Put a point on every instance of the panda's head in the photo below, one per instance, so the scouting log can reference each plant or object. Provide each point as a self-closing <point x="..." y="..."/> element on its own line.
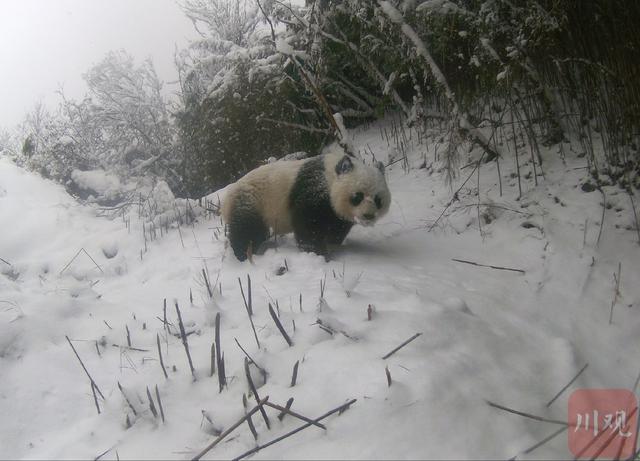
<point x="359" y="192"/>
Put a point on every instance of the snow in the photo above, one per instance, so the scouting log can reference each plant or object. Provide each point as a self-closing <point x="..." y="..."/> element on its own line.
<point x="494" y="335"/>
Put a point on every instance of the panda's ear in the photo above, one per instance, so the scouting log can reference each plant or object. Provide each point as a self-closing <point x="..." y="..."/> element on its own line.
<point x="345" y="165"/>
<point x="380" y="167"/>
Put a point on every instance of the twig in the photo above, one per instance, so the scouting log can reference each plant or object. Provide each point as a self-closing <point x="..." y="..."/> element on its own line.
<point x="160" y="404"/>
<point x="213" y="359"/>
<point x="231" y="429"/>
<point x="488" y="265"/>
<point x="287" y="406"/>
<point x="340" y="409"/>
<point x="85" y="368"/>
<point x="294" y="376"/>
<point x="567" y="386"/>
<point x="252" y="428"/>
<point x="128" y="336"/>
<point x="136" y="349"/>
<point x="160" y="355"/>
<point x="250" y="314"/>
<point x="279" y="325"/>
<point x="76" y="255"/>
<point x="5" y="261"/>
<point x="95" y="397"/>
<point x="616" y="292"/>
<point x="246" y="304"/>
<point x="255" y="392"/>
<point x="604" y="208"/>
<point x="401" y="346"/>
<point x="152" y="406"/>
<point x="295" y="415"/>
<point x="206" y="282"/>
<point x="185" y="343"/>
<point x="388" y="373"/>
<point x="262" y="370"/>
<point x="526" y="415"/>
<point x="635" y="215"/>
<point x="135" y="413"/>
<point x="221" y="374"/>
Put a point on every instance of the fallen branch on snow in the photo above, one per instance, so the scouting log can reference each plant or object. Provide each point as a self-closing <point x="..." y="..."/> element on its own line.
<point x="500" y="268"/>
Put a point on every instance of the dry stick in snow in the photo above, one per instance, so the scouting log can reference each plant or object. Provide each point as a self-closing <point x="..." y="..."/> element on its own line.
<point x="160" y="404"/>
<point x="95" y="397"/>
<point x="206" y="282"/>
<point x="5" y="261"/>
<point x="339" y="409"/>
<point x="635" y="216"/>
<point x="73" y="259"/>
<point x="616" y="293"/>
<point x="152" y="406"/>
<point x="160" y="356"/>
<point x="185" y="343"/>
<point x="500" y="268"/>
<point x="249" y="302"/>
<point x="294" y="376"/>
<point x="279" y="325"/>
<point x="244" y="298"/>
<point x="262" y="370"/>
<point x="526" y="415"/>
<point x="85" y="368"/>
<point x="231" y="429"/>
<point x="388" y="373"/>
<point x="250" y="314"/>
<point x="252" y="428"/>
<point x="604" y="208"/>
<point x="287" y="407"/>
<point x="255" y="392"/>
<point x="126" y="399"/>
<point x="213" y="359"/>
<point x="128" y="336"/>
<point x="567" y="386"/>
<point x="545" y="440"/>
<point x="401" y="346"/>
<point x="294" y="414"/>
<point x="221" y="375"/>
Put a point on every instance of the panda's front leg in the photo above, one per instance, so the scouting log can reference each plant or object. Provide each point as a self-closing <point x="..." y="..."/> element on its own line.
<point x="312" y="237"/>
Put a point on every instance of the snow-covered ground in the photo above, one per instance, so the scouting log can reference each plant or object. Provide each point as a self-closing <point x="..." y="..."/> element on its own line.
<point x="511" y="337"/>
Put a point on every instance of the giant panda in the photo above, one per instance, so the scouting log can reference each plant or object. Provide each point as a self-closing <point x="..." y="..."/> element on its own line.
<point x="319" y="199"/>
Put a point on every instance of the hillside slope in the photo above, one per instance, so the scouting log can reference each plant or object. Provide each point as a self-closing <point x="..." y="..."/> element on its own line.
<point x="514" y="337"/>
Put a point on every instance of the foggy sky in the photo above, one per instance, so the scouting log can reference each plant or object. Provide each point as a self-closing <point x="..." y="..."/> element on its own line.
<point x="46" y="43"/>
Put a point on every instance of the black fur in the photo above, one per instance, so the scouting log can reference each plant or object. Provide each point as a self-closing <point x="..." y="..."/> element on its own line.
<point x="247" y="228"/>
<point x="315" y="224"/>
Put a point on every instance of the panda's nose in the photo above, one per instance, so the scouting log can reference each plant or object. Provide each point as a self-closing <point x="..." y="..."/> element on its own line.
<point x="368" y="216"/>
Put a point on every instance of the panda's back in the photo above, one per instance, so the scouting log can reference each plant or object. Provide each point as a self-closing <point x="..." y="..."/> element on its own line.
<point x="266" y="188"/>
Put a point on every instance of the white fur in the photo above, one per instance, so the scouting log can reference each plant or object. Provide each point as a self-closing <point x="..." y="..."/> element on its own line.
<point x="269" y="187"/>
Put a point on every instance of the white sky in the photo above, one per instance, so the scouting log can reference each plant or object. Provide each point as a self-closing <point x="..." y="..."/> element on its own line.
<point x="46" y="43"/>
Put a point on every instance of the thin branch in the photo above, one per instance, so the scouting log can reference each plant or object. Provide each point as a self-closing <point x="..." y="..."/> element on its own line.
<point x="255" y="392"/>
<point x="294" y="414"/>
<point x="488" y="265"/>
<point x="339" y="409"/>
<point x="85" y="368"/>
<point x="526" y="415"/>
<point x="567" y="386"/>
<point x="401" y="346"/>
<point x="279" y="325"/>
<point x="231" y="429"/>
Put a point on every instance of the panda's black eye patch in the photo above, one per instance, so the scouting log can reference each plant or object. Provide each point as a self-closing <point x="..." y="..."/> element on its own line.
<point x="357" y="198"/>
<point x="378" y="201"/>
